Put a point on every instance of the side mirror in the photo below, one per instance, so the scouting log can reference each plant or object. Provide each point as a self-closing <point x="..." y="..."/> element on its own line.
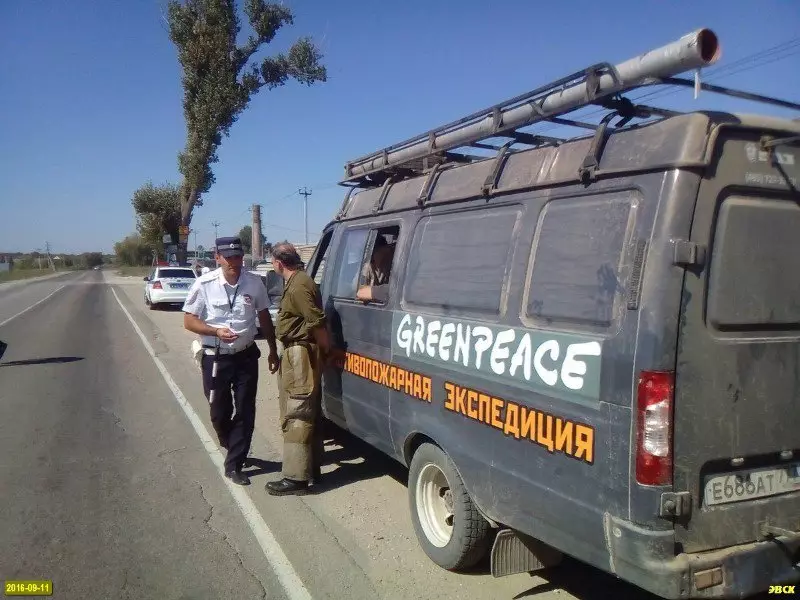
<point x="146" y="278"/>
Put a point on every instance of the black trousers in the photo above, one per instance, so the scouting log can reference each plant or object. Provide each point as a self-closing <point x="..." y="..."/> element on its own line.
<point x="233" y="411"/>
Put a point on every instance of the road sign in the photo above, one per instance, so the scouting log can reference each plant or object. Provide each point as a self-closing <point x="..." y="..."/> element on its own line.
<point x="167" y="239"/>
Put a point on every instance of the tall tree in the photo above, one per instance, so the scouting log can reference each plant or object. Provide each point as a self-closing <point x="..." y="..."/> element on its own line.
<point x="158" y="211"/>
<point x="219" y="78"/>
<point x="246" y="235"/>
<point x="133" y="251"/>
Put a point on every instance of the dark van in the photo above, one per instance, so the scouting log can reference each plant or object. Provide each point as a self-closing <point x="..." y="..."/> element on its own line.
<point x="584" y="345"/>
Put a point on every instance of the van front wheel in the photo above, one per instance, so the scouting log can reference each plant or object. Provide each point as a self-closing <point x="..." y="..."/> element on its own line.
<point x="449" y="527"/>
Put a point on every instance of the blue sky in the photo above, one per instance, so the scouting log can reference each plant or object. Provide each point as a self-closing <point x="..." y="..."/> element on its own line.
<point x="90" y="98"/>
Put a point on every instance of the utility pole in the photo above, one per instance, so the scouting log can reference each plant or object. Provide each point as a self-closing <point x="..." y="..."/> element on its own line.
<point x="305" y="193"/>
<point x="215" y="224"/>
<point x="49" y="258"/>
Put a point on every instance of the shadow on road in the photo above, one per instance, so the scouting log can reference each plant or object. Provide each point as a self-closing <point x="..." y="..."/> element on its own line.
<point x="262" y="467"/>
<point x="355" y="461"/>
<point x="41" y="361"/>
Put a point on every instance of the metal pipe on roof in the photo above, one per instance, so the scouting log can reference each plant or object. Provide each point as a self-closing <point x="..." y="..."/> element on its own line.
<point x="692" y="51"/>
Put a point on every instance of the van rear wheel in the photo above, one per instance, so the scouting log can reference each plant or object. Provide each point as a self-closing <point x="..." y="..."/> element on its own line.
<point x="448" y="525"/>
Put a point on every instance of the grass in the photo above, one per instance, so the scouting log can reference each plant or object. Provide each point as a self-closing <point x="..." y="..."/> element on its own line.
<point x="126" y="271"/>
<point x="17" y="274"/>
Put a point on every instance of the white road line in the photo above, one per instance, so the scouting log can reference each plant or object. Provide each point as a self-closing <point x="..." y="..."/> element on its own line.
<point x="288" y="577"/>
<point x="32" y="306"/>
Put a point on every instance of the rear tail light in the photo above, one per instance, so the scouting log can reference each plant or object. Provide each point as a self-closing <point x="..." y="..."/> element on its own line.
<point x="654" y="427"/>
<point x="157" y="285"/>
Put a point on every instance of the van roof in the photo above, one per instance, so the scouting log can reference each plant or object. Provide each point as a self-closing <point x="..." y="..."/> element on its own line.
<point x="677" y="141"/>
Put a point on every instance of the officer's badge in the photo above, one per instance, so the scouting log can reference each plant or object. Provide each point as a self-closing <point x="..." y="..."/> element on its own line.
<point x="248" y="299"/>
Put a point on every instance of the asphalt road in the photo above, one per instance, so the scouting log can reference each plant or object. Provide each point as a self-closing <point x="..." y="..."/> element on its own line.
<point x="94" y="496"/>
<point x="112" y="487"/>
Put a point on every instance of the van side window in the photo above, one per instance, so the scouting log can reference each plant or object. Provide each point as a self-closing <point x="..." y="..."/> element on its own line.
<point x="365" y="263"/>
<point x="373" y="282"/>
<point x="459" y="261"/>
<point x="577" y="261"/>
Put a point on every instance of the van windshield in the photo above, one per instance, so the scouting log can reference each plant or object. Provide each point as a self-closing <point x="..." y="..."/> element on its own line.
<point x="753" y="282"/>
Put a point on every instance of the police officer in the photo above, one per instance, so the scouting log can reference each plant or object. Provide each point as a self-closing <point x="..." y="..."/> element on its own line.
<point x="222" y="307"/>
<point x="302" y="330"/>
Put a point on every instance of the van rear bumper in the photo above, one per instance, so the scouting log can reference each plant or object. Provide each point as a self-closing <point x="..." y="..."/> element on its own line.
<point x="646" y="558"/>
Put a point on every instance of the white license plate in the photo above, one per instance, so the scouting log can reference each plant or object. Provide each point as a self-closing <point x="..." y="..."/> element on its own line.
<point x="180" y="286"/>
<point x="752" y="484"/>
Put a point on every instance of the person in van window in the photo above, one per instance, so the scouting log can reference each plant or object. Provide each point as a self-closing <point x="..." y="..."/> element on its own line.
<point x="376" y="272"/>
<point x="373" y="293"/>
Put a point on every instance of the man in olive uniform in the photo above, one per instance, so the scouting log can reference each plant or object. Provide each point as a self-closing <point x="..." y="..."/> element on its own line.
<point x="301" y="328"/>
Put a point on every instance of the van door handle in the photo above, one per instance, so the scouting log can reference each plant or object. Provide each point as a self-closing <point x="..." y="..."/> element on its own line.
<point x="688" y="254"/>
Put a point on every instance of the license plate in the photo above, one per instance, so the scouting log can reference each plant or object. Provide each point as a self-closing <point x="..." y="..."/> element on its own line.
<point x="180" y="286"/>
<point x="752" y="484"/>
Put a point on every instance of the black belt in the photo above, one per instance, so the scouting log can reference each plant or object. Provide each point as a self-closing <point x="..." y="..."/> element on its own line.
<point x="223" y="352"/>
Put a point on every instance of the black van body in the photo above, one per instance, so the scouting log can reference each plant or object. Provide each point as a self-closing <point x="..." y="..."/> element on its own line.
<point x="604" y="366"/>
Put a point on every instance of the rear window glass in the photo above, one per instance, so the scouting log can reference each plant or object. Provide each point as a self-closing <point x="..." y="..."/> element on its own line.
<point x="176" y="273"/>
<point x="459" y="261"/>
<point x="577" y="261"/>
<point x="754" y="280"/>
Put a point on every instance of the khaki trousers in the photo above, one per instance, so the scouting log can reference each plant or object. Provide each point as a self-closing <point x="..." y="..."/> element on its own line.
<point x="299" y="384"/>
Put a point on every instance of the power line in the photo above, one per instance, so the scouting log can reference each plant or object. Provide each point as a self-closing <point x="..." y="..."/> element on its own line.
<point x="760" y="58"/>
<point x="305" y="193"/>
<point x="275" y="225"/>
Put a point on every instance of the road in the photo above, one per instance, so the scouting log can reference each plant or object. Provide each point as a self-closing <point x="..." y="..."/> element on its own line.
<point x="112" y="486"/>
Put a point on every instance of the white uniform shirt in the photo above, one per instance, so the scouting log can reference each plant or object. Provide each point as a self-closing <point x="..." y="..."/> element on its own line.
<point x="210" y="299"/>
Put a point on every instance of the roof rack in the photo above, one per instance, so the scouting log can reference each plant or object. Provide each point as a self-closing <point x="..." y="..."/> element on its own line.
<point x="601" y="84"/>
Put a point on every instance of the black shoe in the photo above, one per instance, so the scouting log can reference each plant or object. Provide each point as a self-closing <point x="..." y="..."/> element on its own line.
<point x="285" y="487"/>
<point x="238" y="477"/>
<point x="316" y="477"/>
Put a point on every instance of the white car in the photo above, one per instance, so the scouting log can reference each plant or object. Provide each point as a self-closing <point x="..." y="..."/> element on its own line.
<point x="168" y="285"/>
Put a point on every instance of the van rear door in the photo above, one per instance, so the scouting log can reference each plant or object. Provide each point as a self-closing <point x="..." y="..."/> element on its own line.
<point x="737" y="386"/>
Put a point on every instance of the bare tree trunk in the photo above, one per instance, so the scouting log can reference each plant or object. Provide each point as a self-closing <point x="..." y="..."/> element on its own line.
<point x="187" y="206"/>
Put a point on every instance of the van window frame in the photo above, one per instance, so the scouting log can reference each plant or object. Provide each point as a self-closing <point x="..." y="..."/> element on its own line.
<point x="321" y="253"/>
<point x="372" y="229"/>
<point x="635" y="196"/>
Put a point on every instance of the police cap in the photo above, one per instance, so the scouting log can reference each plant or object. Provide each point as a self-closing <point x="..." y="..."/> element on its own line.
<point x="230" y="246"/>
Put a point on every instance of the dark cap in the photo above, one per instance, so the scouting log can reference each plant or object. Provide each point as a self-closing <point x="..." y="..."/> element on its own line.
<point x="229" y="246"/>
